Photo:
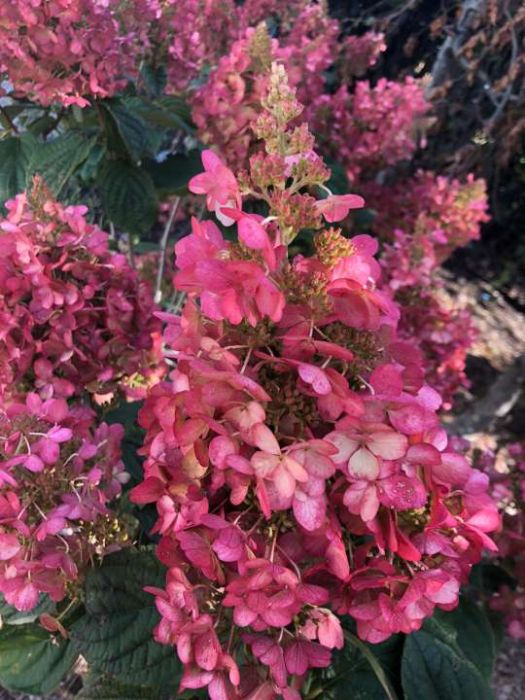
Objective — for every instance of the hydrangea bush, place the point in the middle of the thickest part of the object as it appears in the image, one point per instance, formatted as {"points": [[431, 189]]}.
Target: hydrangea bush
{"points": [[235, 483]]}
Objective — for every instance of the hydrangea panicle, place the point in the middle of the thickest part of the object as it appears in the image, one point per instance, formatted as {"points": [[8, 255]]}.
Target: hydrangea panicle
{"points": [[294, 453]]}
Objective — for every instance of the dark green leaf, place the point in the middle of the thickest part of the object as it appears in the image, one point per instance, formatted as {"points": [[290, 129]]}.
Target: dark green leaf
{"points": [[338, 182], [127, 415], [155, 79], [15, 153], [127, 131], [128, 196], [98, 687], [433, 670], [172, 175], [364, 218], [57, 160], [474, 634], [115, 636], [32, 660]]}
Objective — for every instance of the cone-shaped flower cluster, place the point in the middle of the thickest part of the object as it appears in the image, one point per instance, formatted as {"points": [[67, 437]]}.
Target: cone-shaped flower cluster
{"points": [[74, 316], [295, 456]]}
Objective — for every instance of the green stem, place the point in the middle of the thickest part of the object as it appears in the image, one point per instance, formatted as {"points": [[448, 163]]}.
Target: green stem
{"points": [[374, 663]]}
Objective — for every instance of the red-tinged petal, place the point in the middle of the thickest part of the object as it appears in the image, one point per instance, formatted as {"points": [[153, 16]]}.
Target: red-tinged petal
{"points": [[402, 492], [263, 438], [412, 419], [486, 520], [296, 469], [264, 464], [200, 184], [312, 594], [363, 465], [243, 616], [211, 160], [283, 481], [309, 512], [296, 658], [386, 379], [330, 632], [219, 449], [229, 545], [207, 649], [453, 469], [362, 500], [333, 350], [387, 444], [346, 446], [149, 491], [252, 234], [9, 546], [34, 463], [316, 378], [337, 559], [291, 694], [423, 454], [195, 678]]}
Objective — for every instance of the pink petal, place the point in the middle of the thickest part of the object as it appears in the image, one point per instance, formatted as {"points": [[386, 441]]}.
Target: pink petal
{"points": [[363, 465], [387, 444], [310, 374]]}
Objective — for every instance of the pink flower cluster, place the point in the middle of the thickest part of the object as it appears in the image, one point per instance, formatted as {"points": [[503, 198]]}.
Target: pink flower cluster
{"points": [[74, 316], [295, 455], [58, 473], [68, 50], [438, 213], [370, 128], [366, 127], [508, 489], [421, 224]]}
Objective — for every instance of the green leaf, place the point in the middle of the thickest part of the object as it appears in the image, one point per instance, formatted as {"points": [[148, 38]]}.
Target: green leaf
{"points": [[32, 660], [434, 670], [338, 182], [57, 160], [369, 682], [128, 196], [473, 634], [155, 79], [98, 687], [115, 636], [127, 415], [127, 131], [15, 153], [171, 176]]}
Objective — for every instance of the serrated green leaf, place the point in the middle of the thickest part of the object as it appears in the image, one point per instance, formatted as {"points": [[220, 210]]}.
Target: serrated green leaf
{"points": [[176, 105], [128, 196], [98, 687], [57, 160], [115, 636], [432, 669], [32, 660], [15, 154], [127, 130], [171, 176], [158, 116]]}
